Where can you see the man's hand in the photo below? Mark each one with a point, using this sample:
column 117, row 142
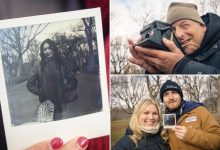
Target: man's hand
column 180, row 131
column 137, row 60
column 158, row 59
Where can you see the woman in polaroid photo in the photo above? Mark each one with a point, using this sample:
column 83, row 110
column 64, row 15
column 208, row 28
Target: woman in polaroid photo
column 45, row 81
column 145, row 130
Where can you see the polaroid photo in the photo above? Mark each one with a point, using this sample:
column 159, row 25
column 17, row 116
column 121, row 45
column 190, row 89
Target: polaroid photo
column 53, row 77
column 169, row 120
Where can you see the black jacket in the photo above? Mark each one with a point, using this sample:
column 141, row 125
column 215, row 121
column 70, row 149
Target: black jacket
column 147, row 142
column 47, row 85
column 206, row 60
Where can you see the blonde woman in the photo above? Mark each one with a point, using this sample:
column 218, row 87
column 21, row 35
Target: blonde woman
column 145, row 129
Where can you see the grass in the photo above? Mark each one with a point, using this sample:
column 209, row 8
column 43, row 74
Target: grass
column 118, row 128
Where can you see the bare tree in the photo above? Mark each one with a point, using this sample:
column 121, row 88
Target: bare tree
column 153, row 86
column 8, row 60
column 126, row 91
column 19, row 40
column 90, row 31
column 208, row 6
column 146, row 14
column 192, row 86
column 211, row 93
column 118, row 58
column 34, row 52
column 202, row 5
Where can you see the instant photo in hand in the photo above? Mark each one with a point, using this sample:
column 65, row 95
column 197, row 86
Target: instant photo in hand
column 154, row 32
column 53, row 77
column 169, row 120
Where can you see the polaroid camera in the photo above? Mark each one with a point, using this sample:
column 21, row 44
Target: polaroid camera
column 152, row 34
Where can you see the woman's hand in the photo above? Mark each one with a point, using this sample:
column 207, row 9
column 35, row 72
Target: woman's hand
column 78, row 143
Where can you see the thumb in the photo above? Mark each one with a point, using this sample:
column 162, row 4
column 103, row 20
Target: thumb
column 130, row 42
column 171, row 46
column 78, row 143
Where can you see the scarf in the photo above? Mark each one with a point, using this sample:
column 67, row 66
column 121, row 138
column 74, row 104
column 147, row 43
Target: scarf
column 151, row 130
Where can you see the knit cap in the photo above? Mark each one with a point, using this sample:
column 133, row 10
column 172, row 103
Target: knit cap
column 170, row 85
column 179, row 10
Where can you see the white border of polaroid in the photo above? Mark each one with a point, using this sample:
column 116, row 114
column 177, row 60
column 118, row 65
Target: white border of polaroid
column 91, row 125
column 165, row 125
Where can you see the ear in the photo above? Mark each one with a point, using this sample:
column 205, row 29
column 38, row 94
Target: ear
column 203, row 28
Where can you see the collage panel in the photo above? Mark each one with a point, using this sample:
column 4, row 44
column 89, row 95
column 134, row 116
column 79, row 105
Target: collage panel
column 45, row 65
column 165, row 112
column 165, row 37
column 85, row 95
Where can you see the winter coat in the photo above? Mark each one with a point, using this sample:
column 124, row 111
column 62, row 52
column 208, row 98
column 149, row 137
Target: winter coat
column 47, row 85
column 203, row 131
column 206, row 60
column 148, row 141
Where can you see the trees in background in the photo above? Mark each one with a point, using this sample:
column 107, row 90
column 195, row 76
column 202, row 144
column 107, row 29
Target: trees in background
column 127, row 91
column 19, row 47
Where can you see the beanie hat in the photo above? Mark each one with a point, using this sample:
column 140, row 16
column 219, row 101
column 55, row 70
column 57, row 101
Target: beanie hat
column 170, row 85
column 180, row 10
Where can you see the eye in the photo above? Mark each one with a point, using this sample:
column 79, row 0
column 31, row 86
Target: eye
column 146, row 112
column 155, row 113
column 185, row 26
column 166, row 93
column 173, row 29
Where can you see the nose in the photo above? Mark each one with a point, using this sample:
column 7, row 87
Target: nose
column 150, row 116
column 47, row 50
column 170, row 96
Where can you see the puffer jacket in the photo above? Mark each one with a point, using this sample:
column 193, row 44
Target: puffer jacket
column 206, row 59
column 203, row 131
column 148, row 141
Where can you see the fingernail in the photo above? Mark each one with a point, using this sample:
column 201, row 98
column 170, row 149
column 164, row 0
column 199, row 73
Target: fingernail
column 83, row 142
column 55, row 143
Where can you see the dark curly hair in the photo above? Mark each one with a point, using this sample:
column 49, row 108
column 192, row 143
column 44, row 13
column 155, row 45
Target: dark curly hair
column 53, row 47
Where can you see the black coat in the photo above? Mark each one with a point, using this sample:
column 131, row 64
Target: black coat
column 147, row 142
column 206, row 60
column 47, row 84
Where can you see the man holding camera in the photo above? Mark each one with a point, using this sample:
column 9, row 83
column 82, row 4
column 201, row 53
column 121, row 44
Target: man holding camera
column 196, row 128
column 198, row 36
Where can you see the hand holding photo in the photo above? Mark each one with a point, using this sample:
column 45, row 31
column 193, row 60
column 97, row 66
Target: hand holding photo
column 53, row 77
column 169, row 120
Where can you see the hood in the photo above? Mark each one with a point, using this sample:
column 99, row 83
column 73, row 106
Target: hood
column 212, row 34
column 185, row 106
column 189, row 105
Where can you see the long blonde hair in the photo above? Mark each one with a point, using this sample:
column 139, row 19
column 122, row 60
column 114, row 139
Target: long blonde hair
column 135, row 124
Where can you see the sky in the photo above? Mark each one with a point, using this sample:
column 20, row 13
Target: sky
column 121, row 23
column 61, row 27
